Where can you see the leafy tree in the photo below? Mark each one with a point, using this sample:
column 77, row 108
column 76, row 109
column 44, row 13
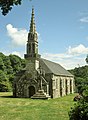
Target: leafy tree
column 1, row 64
column 9, row 66
column 4, row 82
column 86, row 59
column 23, row 63
column 81, row 83
column 15, row 62
column 80, row 110
column 6, row 5
column 2, row 55
column 81, row 77
column 11, row 78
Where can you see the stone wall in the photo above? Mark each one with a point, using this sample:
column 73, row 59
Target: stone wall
column 55, row 86
column 62, row 85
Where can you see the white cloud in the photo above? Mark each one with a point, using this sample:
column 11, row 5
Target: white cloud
column 84, row 19
column 70, row 59
column 80, row 49
column 20, row 54
column 68, row 63
column 17, row 53
column 73, row 57
column 18, row 36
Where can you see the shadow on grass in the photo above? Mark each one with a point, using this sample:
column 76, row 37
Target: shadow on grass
column 6, row 96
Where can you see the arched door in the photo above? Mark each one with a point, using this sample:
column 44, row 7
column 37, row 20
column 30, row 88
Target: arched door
column 31, row 91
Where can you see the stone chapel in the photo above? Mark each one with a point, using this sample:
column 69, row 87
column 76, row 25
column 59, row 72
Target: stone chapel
column 41, row 78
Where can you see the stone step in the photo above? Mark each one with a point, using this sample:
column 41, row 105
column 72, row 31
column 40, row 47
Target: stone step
column 40, row 95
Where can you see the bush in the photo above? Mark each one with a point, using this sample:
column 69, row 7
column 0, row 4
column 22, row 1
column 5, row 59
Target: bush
column 80, row 110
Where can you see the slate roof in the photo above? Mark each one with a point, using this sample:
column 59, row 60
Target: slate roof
column 52, row 67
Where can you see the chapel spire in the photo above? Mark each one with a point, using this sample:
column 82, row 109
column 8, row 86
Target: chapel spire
column 32, row 24
column 32, row 43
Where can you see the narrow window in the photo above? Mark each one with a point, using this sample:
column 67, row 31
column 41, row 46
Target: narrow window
column 33, row 47
column 56, row 83
column 60, row 87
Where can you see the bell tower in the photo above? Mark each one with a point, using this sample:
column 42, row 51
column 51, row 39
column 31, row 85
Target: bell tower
column 32, row 43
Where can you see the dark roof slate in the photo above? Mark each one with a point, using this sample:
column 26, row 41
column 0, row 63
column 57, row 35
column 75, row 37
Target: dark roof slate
column 52, row 67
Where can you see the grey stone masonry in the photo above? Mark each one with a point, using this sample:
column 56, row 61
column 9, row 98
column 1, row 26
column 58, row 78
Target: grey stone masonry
column 41, row 78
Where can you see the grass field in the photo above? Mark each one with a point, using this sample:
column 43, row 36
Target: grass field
column 28, row 109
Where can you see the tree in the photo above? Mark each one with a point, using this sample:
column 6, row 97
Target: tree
column 80, row 110
column 1, row 64
column 81, row 77
column 6, row 5
column 86, row 59
column 9, row 66
column 15, row 62
column 7, row 63
column 81, row 84
column 4, row 82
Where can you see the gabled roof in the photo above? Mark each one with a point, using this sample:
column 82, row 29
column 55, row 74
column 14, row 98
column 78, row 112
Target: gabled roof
column 52, row 67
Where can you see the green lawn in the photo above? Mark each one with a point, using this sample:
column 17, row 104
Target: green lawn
column 28, row 109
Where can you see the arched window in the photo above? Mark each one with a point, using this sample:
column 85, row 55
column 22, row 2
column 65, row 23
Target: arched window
column 70, row 86
column 33, row 47
column 66, row 86
column 60, row 87
column 29, row 48
column 56, row 83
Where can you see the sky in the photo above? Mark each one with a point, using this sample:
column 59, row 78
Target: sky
column 62, row 27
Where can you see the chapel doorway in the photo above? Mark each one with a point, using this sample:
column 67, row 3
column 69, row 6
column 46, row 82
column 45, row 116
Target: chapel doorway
column 31, row 91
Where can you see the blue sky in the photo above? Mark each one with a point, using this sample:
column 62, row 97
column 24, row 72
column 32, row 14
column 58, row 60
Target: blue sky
column 62, row 26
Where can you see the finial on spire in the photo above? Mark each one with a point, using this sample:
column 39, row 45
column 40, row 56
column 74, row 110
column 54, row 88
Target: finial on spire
column 32, row 24
column 33, row 10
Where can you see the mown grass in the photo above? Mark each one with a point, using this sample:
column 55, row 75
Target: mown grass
column 28, row 109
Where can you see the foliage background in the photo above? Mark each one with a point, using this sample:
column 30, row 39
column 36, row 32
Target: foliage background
column 9, row 66
column 80, row 109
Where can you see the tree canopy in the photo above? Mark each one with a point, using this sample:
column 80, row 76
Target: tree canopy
column 7, row 5
column 80, row 110
column 9, row 66
column 86, row 59
column 81, row 78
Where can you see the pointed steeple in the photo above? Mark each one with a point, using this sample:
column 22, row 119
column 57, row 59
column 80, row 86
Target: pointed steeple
column 32, row 24
column 32, row 43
